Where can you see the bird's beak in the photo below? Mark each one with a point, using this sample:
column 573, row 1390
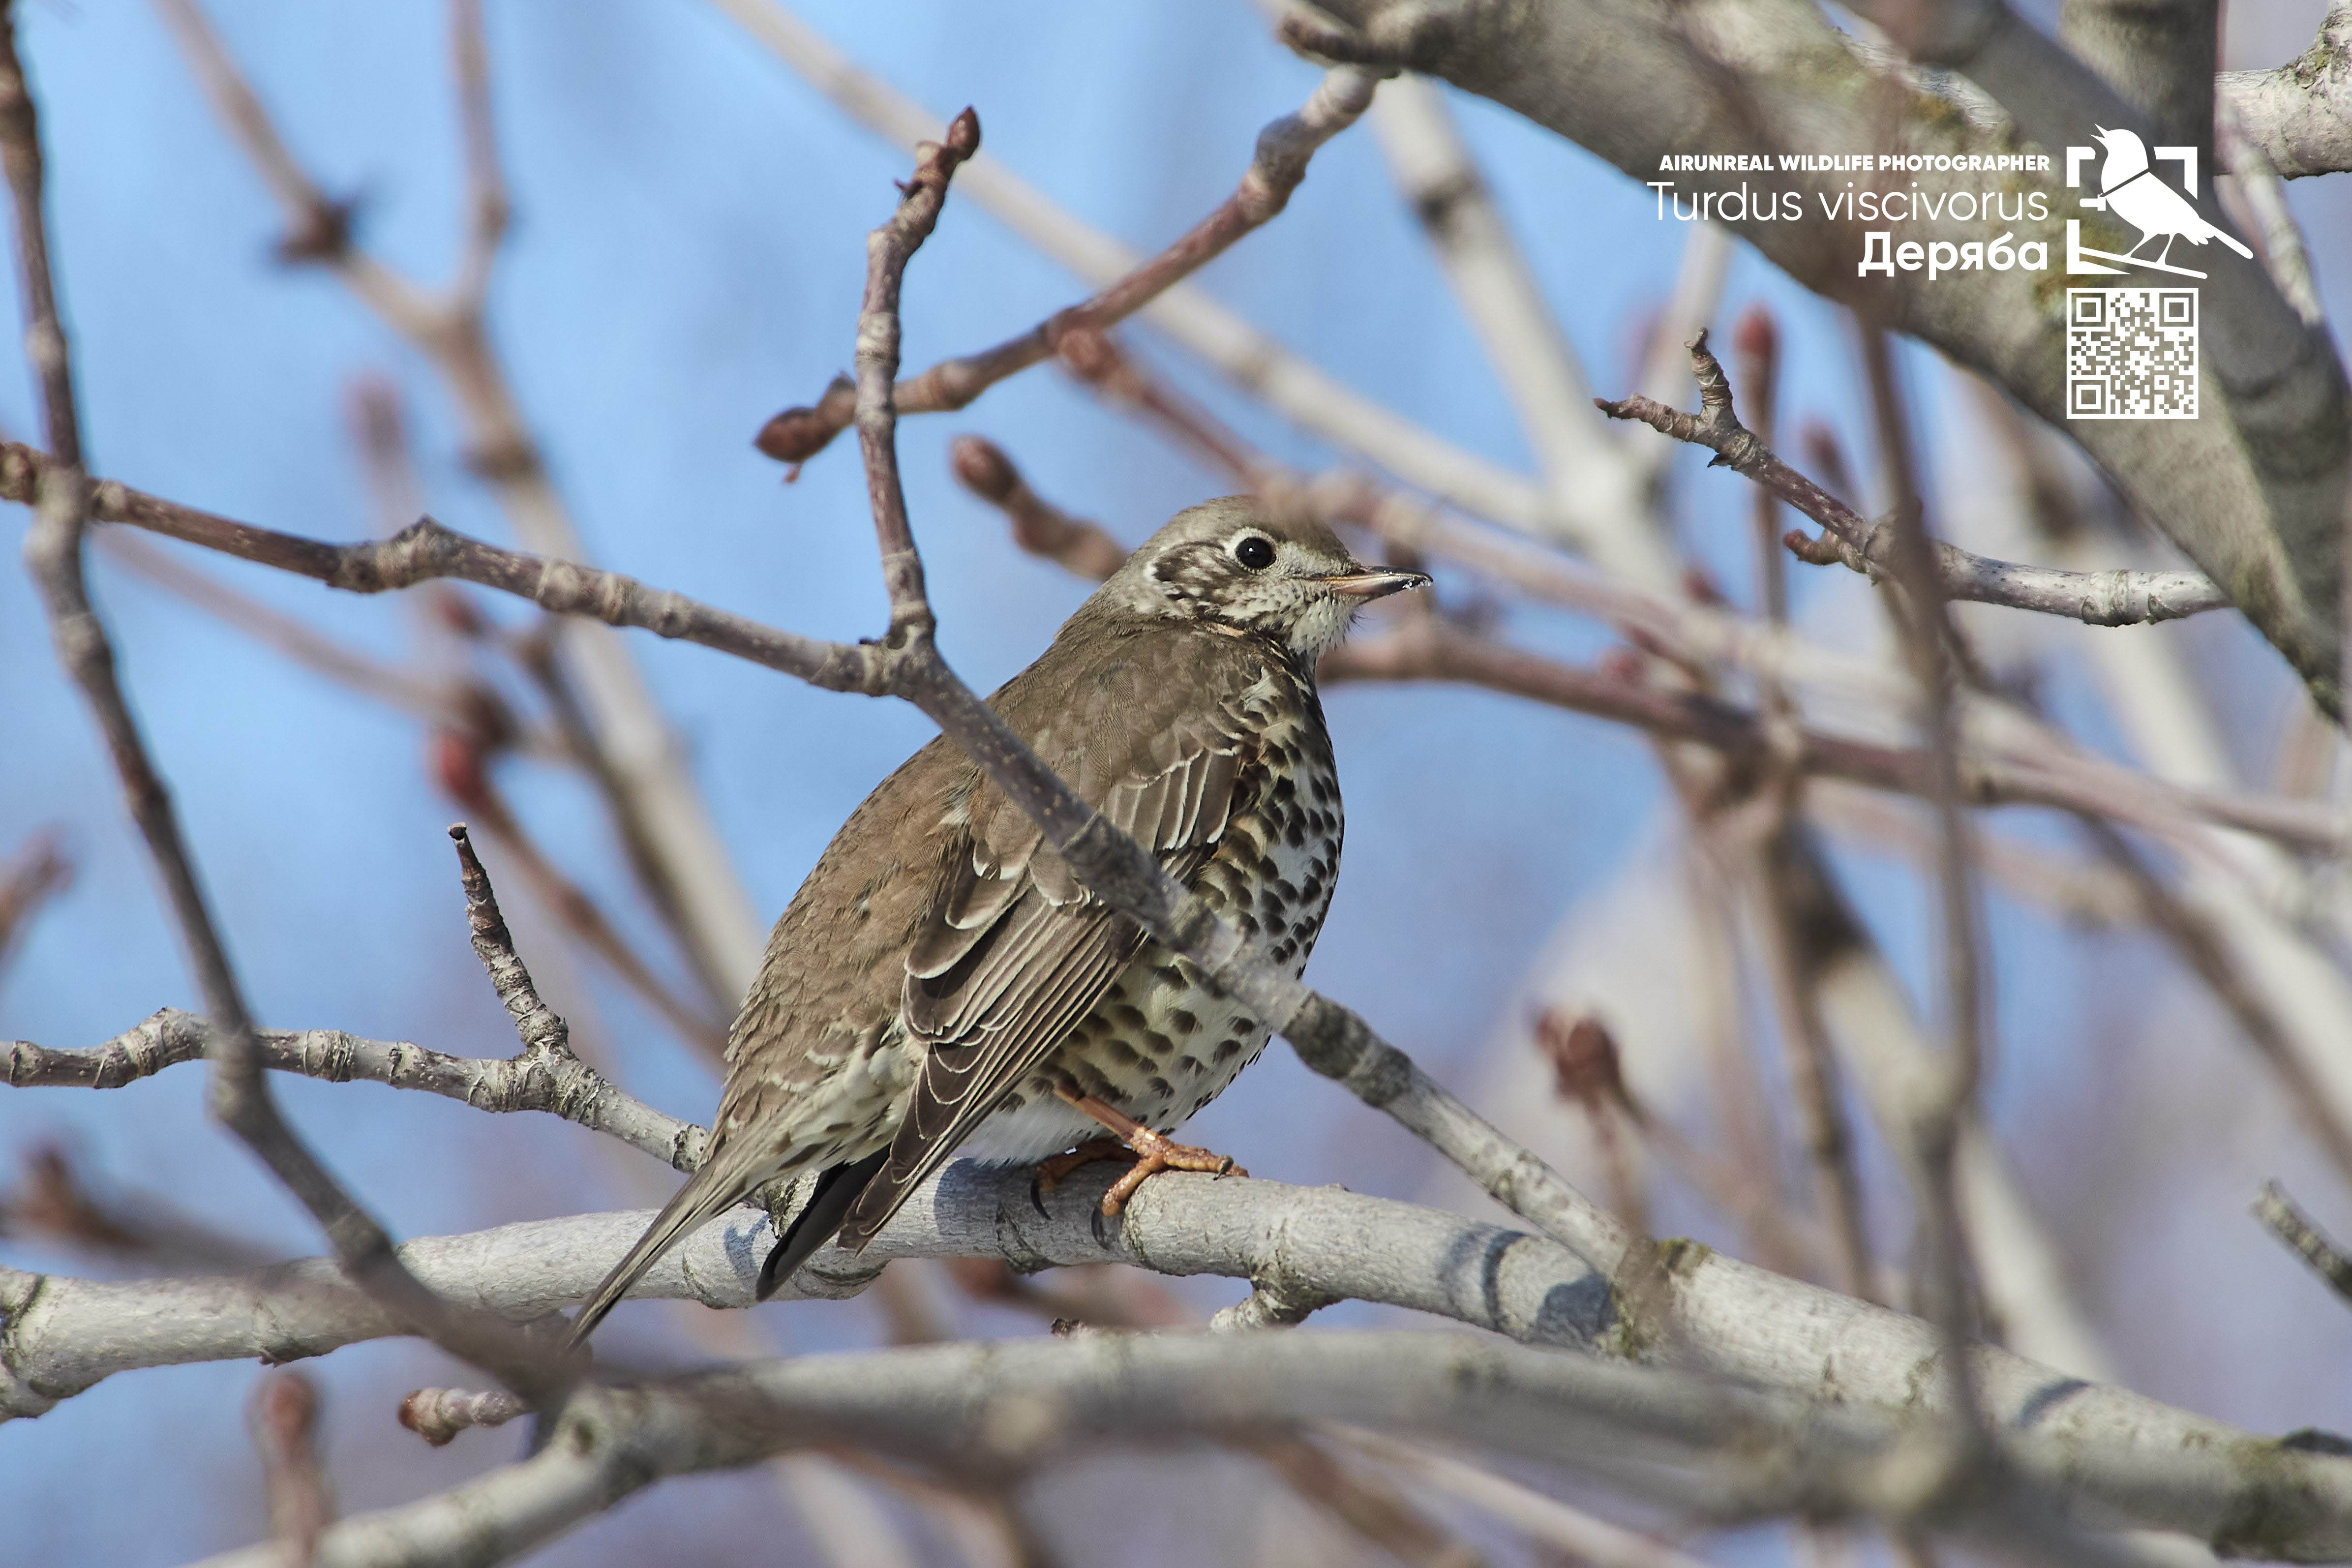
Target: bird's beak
column 1374, row 582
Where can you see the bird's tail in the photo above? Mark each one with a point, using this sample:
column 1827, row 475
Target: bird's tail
column 709, row 1193
column 2232, row 241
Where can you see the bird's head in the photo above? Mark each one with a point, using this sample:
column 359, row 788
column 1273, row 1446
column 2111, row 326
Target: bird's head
column 1236, row 565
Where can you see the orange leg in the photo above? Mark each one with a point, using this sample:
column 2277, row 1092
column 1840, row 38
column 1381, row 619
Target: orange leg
column 1054, row 1170
column 1154, row 1152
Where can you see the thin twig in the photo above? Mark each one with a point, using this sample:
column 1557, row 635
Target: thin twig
column 1279, row 163
column 2195, row 940
column 1935, row 1124
column 52, row 1203
column 427, row 552
column 656, row 795
column 412, row 693
column 1586, row 1074
column 2283, row 1219
column 1039, row 527
column 240, row 1094
column 1813, row 1075
column 488, row 210
column 34, row 874
column 284, row 1414
column 462, row 774
column 2118, row 598
column 564, row 1087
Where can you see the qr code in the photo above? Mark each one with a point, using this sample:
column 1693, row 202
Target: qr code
column 2131, row 354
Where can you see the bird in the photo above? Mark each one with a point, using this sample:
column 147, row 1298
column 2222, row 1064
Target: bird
column 942, row 981
column 2128, row 189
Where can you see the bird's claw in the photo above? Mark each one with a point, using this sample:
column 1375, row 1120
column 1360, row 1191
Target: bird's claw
column 1155, row 1152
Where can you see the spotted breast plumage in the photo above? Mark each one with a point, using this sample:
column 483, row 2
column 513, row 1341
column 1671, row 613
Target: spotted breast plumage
column 942, row 981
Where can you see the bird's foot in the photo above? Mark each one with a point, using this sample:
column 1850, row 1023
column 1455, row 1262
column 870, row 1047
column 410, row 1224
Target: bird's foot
column 1155, row 1152
column 1052, row 1171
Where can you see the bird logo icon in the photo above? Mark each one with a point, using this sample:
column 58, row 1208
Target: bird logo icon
column 2130, row 189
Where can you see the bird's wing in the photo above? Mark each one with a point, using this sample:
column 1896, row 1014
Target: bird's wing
column 1015, row 952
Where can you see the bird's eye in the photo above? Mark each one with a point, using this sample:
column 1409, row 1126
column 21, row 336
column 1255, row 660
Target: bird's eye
column 1254, row 552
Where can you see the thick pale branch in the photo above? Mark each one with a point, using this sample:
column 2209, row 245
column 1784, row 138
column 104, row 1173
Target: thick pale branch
column 2253, row 491
column 996, row 1411
column 2300, row 116
column 2129, row 1459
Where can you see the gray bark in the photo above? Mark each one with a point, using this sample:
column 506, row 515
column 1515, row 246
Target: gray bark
column 2253, row 490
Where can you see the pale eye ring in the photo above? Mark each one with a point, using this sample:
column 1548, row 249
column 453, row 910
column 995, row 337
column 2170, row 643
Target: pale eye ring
column 1254, row 551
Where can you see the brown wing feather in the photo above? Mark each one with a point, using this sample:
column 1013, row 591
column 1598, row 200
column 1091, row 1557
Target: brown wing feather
column 1016, row 952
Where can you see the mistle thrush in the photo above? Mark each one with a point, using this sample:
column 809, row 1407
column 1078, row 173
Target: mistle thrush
column 942, row 981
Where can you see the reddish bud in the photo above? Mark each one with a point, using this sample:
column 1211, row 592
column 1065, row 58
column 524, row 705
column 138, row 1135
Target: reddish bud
column 982, row 467
column 456, row 761
column 1089, row 354
column 799, row 434
column 963, row 133
column 453, row 609
column 1756, row 336
column 1623, row 665
column 1699, row 587
column 1583, row 1056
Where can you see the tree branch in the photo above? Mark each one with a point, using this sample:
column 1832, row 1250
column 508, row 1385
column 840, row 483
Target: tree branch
column 63, row 1335
column 2117, row 598
column 1278, row 164
column 561, row 1086
column 648, row 785
column 2299, row 117
column 2250, row 493
column 2283, row 1219
column 239, row 1093
column 34, row 874
column 999, row 1409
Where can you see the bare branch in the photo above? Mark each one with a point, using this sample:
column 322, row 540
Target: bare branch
column 1586, row 1539
column 1417, row 650
column 35, row 873
column 412, row 693
column 240, row 1094
column 459, row 764
column 2095, row 598
column 650, row 787
column 1006, row 1407
column 488, row 210
column 2283, row 1219
column 284, row 1414
column 1039, row 527
column 1279, row 163
column 63, row 1335
column 1250, row 360
column 2194, row 937
column 53, row 1203
column 562, row 1086
column 1946, row 1270
column 2299, row 117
